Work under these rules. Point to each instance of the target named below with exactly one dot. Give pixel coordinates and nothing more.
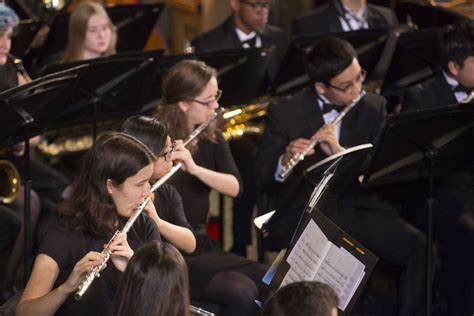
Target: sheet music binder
(319, 230)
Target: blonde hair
(78, 27)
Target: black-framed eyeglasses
(350, 86)
(209, 103)
(167, 154)
(258, 5)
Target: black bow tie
(461, 88)
(250, 42)
(327, 107)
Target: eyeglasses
(258, 5)
(209, 103)
(350, 86)
(167, 154)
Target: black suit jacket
(225, 37)
(325, 19)
(433, 93)
(300, 117)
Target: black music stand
(134, 25)
(425, 14)
(27, 111)
(423, 144)
(109, 88)
(279, 230)
(240, 72)
(329, 176)
(415, 59)
(369, 45)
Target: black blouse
(195, 193)
(67, 246)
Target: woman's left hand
(121, 252)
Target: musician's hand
(295, 147)
(121, 252)
(150, 209)
(182, 154)
(91, 260)
(327, 139)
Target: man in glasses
(337, 80)
(247, 28)
(343, 16)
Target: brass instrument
(288, 168)
(89, 277)
(242, 121)
(9, 182)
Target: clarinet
(95, 272)
(288, 168)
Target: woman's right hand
(183, 155)
(91, 260)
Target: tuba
(9, 182)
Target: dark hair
(148, 130)
(456, 43)
(155, 283)
(114, 156)
(329, 57)
(302, 298)
(183, 82)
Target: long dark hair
(155, 283)
(183, 82)
(114, 156)
(148, 130)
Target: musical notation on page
(314, 257)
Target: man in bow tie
(456, 80)
(453, 208)
(337, 78)
(246, 28)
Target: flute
(95, 272)
(287, 169)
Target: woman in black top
(113, 181)
(190, 98)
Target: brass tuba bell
(9, 182)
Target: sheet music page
(343, 272)
(307, 254)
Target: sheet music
(343, 272)
(314, 257)
(307, 254)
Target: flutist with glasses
(337, 81)
(113, 182)
(191, 96)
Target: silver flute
(199, 311)
(287, 169)
(90, 276)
